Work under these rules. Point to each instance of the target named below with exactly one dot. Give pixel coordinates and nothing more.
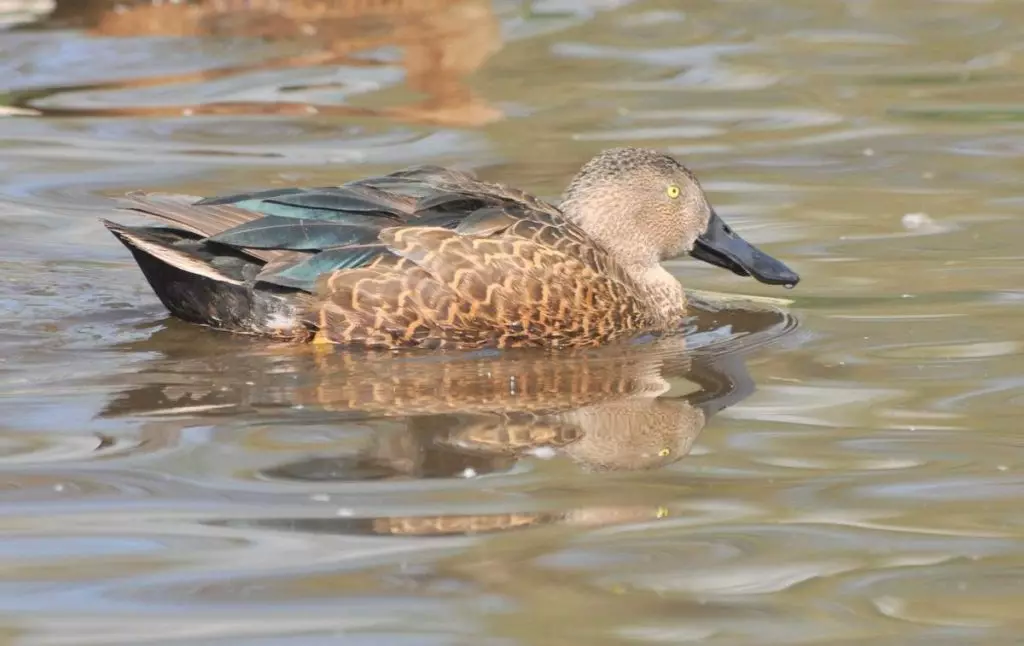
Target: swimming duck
(432, 257)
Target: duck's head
(645, 207)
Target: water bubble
(917, 221)
(543, 452)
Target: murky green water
(846, 472)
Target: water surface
(843, 468)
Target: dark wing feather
(275, 232)
(422, 176)
(488, 221)
(181, 211)
(351, 199)
(327, 203)
(304, 273)
(245, 197)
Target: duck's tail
(210, 289)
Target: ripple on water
(46, 449)
(969, 593)
(209, 140)
(749, 576)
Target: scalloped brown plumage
(513, 287)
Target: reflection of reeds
(443, 41)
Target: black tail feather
(193, 289)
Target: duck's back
(428, 257)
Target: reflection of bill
(442, 42)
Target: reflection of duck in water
(443, 41)
(434, 258)
(618, 408)
(609, 411)
(637, 427)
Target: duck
(434, 258)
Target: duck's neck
(665, 295)
(631, 247)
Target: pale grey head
(645, 207)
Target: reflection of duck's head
(634, 434)
(604, 409)
(625, 428)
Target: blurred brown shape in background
(443, 41)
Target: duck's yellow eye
(673, 191)
(664, 453)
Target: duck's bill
(723, 247)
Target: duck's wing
(400, 196)
(303, 233)
(505, 276)
(272, 228)
(403, 196)
(180, 211)
(182, 215)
